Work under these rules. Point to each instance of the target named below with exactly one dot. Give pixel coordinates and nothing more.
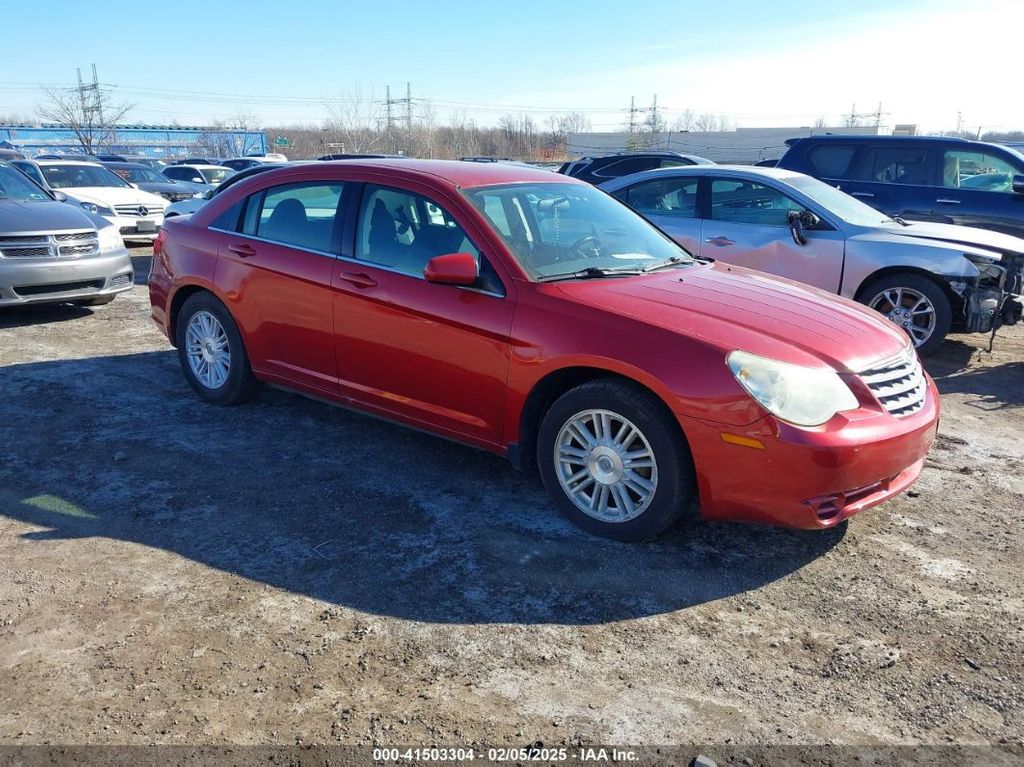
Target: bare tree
(684, 123)
(709, 123)
(356, 122)
(820, 123)
(93, 118)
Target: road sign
(280, 141)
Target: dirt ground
(286, 572)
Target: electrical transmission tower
(390, 116)
(90, 98)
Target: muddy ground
(286, 572)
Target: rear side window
(663, 197)
(981, 171)
(900, 165)
(831, 161)
(301, 214)
(228, 220)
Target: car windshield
(563, 230)
(838, 202)
(143, 175)
(216, 175)
(70, 176)
(15, 186)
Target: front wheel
(211, 352)
(916, 304)
(613, 459)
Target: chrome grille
(133, 210)
(899, 384)
(63, 245)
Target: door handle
(242, 249)
(359, 279)
(862, 194)
(720, 241)
(947, 201)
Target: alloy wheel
(605, 465)
(911, 310)
(207, 350)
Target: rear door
(276, 270)
(977, 190)
(748, 224)
(433, 355)
(897, 178)
(670, 203)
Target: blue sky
(758, 63)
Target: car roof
(67, 162)
(126, 164)
(777, 174)
(455, 172)
(847, 137)
(198, 165)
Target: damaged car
(930, 279)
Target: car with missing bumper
(136, 214)
(532, 315)
(928, 278)
(52, 252)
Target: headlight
(110, 239)
(799, 395)
(101, 210)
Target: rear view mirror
(452, 269)
(1018, 184)
(59, 196)
(799, 220)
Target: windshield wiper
(674, 261)
(593, 272)
(899, 221)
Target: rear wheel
(916, 304)
(211, 352)
(611, 456)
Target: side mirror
(60, 196)
(1018, 184)
(133, 186)
(798, 222)
(452, 269)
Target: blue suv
(923, 178)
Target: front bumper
(810, 478)
(54, 280)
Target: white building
(743, 145)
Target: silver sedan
(929, 279)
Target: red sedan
(530, 314)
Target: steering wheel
(587, 246)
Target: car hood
(736, 308)
(961, 235)
(42, 217)
(158, 187)
(113, 195)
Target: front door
(977, 190)
(747, 224)
(432, 355)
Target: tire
(912, 287)
(220, 381)
(98, 301)
(672, 471)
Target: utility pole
(408, 107)
(632, 114)
(878, 115)
(851, 120)
(959, 122)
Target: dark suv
(948, 180)
(596, 170)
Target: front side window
(14, 186)
(72, 176)
(300, 214)
(31, 171)
(403, 230)
(979, 171)
(663, 197)
(555, 229)
(901, 166)
(747, 202)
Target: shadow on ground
(338, 506)
(40, 314)
(995, 387)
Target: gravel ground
(286, 572)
